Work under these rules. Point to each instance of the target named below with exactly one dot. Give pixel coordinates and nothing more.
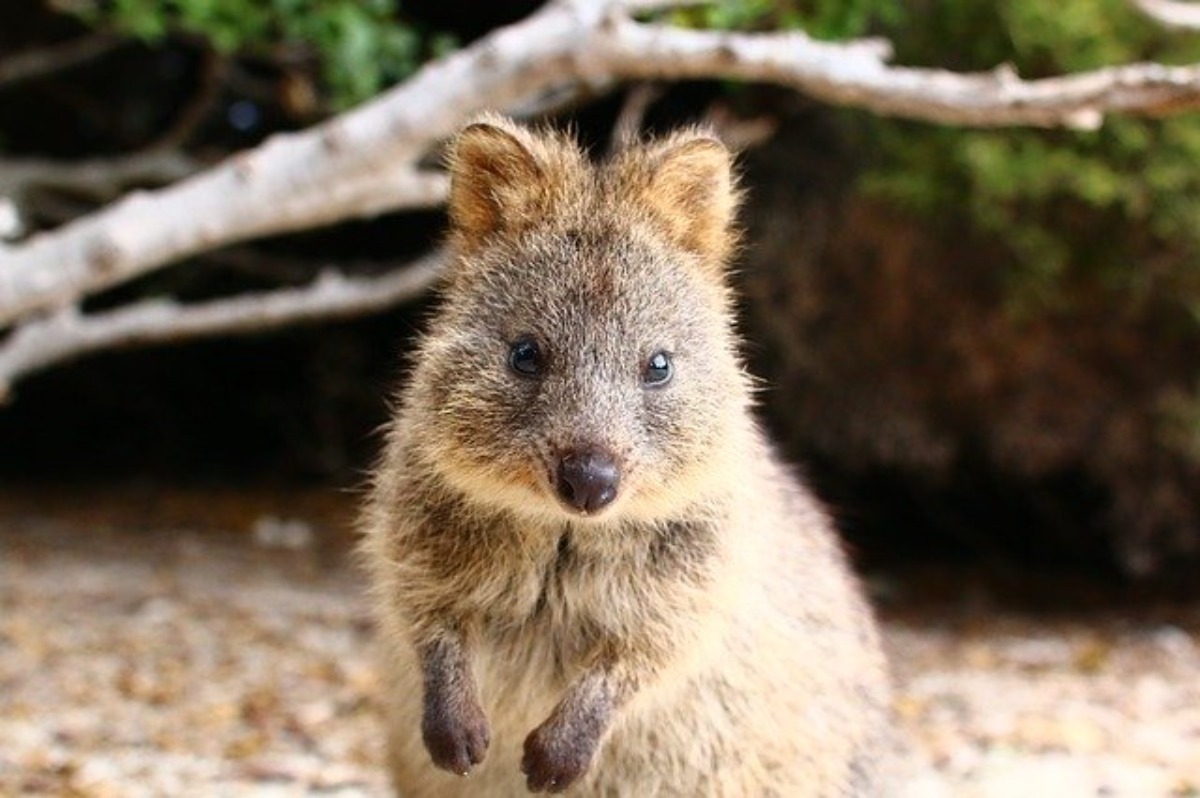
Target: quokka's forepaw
(556, 755)
(457, 737)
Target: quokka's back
(591, 573)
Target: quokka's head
(583, 363)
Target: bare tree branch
(364, 162)
(99, 178)
(46, 60)
(856, 74)
(299, 180)
(69, 334)
(1172, 13)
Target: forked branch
(69, 333)
(368, 161)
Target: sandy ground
(154, 659)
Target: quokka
(591, 572)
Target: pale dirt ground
(145, 654)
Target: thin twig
(101, 179)
(208, 91)
(632, 117)
(739, 133)
(55, 58)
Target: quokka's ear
(503, 177)
(689, 185)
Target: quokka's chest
(559, 587)
(568, 602)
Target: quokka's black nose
(588, 479)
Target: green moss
(363, 45)
(1084, 205)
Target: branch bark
(99, 178)
(1173, 14)
(856, 74)
(366, 161)
(69, 333)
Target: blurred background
(982, 345)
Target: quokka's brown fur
(692, 628)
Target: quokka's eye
(658, 370)
(525, 357)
